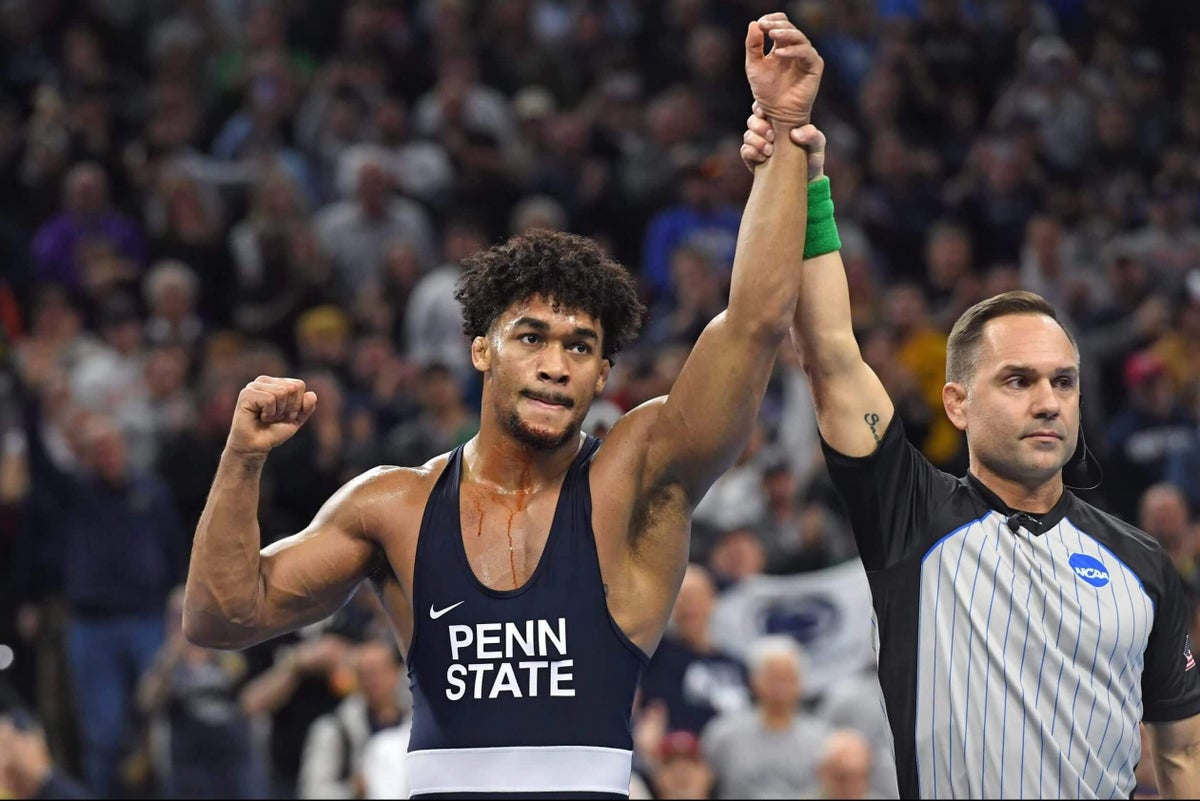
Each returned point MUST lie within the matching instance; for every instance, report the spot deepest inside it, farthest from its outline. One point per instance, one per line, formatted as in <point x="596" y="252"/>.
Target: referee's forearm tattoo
<point x="873" y="421"/>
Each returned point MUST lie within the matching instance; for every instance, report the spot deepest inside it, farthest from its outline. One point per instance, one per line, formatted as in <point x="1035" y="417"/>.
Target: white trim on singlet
<point x="520" y="769"/>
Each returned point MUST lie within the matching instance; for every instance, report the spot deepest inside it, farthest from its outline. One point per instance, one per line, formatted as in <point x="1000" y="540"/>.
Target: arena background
<point x="195" y="192"/>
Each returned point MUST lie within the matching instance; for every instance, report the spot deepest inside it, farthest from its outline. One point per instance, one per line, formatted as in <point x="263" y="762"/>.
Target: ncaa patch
<point x="1089" y="568"/>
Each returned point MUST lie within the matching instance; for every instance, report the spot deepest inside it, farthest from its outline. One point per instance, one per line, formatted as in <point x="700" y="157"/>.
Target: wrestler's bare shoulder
<point x="621" y="459"/>
<point x="390" y="499"/>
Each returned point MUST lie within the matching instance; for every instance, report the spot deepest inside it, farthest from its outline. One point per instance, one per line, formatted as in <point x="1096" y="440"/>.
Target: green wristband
<point x="821" y="234"/>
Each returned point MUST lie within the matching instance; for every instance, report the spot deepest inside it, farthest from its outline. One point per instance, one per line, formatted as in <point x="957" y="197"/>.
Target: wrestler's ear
<point x="602" y="379"/>
<point x="481" y="354"/>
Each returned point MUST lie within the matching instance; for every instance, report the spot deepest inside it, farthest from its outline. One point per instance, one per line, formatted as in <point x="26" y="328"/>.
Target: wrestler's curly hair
<point x="572" y="271"/>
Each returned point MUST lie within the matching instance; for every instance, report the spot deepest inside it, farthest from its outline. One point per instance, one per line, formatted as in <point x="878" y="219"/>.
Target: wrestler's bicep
<point x="311" y="574"/>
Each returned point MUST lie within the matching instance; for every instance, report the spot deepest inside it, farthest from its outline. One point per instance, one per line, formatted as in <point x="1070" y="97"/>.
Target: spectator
<point x="433" y="322"/>
<point x="355" y="231"/>
<point x="1179" y="348"/>
<point x="171" y="291"/>
<point x="255" y="130"/>
<point x="1048" y="93"/>
<point x="170" y="408"/>
<point x="855" y="703"/>
<point x="1131" y="316"/>
<point x="714" y="74"/>
<point x="185" y="221"/>
<point x="323" y="338"/>
<point x="691" y="676"/>
<point x="772" y="750"/>
<point x="1144" y="435"/>
<point x="798" y="439"/>
<point x="122" y="552"/>
<point x="421" y="167"/>
<point x="819" y="538"/>
<point x="443" y="423"/>
<point x="380" y="308"/>
<point x="90" y="245"/>
<point x="330" y="121"/>
<point x="114" y="381"/>
<point x="899" y="204"/>
<point x="737" y="499"/>
<point x="537" y="211"/>
<point x="780" y="527"/>
<point x="1049" y="266"/>
<point x="322" y="448"/>
<point x="1169" y="241"/>
<point x="879" y="352"/>
<point x="570" y="170"/>
<point x="845" y="767"/>
<point x="1163" y="514"/>
<point x="700" y="220"/>
<point x="655" y="160"/>
<point x="57" y="337"/>
<point x="381" y="383"/>
<point x="332" y="763"/>
<point x="188" y="457"/>
<point x="272" y="285"/>
<point x="459" y="98"/>
<point x="849" y="45"/>
<point x="921" y="349"/>
<point x="698" y="292"/>
<point x="736" y="554"/>
<point x="682" y="771"/>
<point x="42" y="164"/>
<point x="190" y="696"/>
<point x="26" y="770"/>
<point x="950" y="273"/>
<point x="1002" y="201"/>
<point x="305" y="681"/>
<point x="383" y="773"/>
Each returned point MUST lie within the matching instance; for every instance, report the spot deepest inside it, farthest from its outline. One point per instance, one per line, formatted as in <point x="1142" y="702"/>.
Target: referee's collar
<point x="1037" y="523"/>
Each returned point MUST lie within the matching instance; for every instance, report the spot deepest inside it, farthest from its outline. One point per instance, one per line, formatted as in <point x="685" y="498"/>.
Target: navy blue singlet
<point x="518" y="692"/>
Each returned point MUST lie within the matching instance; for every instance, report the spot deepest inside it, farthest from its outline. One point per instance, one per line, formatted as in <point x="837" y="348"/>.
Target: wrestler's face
<point x="542" y="367"/>
<point x="1020" y="409"/>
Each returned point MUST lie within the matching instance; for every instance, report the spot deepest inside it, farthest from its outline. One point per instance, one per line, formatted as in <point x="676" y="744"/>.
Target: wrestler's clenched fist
<point x="269" y="411"/>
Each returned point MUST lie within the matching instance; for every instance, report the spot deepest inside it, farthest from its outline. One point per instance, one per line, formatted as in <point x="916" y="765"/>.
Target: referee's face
<point x="1021" y="410"/>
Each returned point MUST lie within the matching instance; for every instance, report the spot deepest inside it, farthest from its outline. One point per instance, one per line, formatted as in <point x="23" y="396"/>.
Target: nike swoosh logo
<point x="435" y="614"/>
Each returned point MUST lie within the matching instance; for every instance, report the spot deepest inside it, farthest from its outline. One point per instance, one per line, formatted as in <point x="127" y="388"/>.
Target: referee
<point x="1023" y="634"/>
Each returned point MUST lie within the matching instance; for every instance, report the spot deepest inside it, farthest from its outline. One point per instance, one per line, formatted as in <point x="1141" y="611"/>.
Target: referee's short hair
<point x="962" y="348"/>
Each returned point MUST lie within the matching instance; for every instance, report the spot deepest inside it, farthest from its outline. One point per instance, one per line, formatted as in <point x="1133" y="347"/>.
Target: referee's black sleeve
<point x="889" y="496"/>
<point x="1171" y="678"/>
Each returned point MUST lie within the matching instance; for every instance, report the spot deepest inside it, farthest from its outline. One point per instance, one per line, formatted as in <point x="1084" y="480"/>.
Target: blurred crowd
<point x="197" y="192"/>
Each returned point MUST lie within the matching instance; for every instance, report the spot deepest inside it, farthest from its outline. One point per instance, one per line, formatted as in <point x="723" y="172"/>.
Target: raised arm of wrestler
<point x="660" y="459"/>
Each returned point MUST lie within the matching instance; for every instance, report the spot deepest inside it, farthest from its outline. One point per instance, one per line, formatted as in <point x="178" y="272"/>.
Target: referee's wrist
<point x="820" y="234"/>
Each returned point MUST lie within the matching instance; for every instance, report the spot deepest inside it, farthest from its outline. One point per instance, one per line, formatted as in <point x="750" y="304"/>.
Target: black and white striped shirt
<point x="1017" y="653"/>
